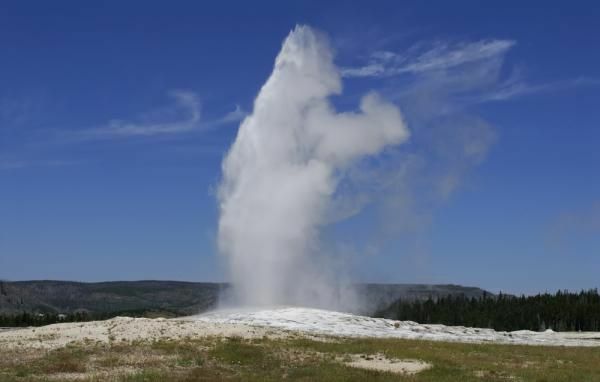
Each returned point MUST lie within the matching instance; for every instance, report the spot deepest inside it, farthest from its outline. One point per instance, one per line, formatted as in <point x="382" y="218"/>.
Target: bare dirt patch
<point x="380" y="362"/>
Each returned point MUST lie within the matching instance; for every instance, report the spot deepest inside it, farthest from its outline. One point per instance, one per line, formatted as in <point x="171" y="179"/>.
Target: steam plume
<point x="281" y="173"/>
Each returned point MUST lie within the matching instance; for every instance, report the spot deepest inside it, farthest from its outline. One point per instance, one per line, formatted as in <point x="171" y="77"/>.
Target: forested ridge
<point x="562" y="311"/>
<point x="39" y="302"/>
<point x="46" y="302"/>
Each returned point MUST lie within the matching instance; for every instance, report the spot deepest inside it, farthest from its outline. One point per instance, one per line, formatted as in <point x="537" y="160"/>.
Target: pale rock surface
<point x="275" y="323"/>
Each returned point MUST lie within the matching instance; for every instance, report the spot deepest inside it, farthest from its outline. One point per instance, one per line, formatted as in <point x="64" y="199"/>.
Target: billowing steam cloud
<point x="281" y="172"/>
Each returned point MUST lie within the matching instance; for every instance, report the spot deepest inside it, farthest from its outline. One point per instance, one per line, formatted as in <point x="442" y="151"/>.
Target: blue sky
<point x="115" y="116"/>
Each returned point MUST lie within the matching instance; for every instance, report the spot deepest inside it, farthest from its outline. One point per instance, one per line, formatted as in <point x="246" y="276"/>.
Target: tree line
<point x="25" y="319"/>
<point x="562" y="311"/>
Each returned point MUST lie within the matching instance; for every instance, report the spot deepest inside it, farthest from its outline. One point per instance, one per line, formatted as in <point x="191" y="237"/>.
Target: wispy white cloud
<point x="183" y="116"/>
<point x="439" y="57"/>
<point x="511" y="89"/>
<point x="233" y="116"/>
<point x="187" y="107"/>
<point x="471" y="70"/>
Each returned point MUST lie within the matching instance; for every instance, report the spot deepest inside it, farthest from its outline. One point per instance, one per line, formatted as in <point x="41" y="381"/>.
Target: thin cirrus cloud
<point x="183" y="116"/>
<point x="441" y="56"/>
<point x="510" y="89"/>
<point x="471" y="69"/>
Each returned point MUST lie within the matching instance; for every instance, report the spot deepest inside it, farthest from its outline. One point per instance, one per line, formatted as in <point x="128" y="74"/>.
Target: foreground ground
<point x="294" y="344"/>
<point x="273" y="359"/>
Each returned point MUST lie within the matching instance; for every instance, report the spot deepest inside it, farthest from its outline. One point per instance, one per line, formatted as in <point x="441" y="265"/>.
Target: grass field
<point x="295" y="359"/>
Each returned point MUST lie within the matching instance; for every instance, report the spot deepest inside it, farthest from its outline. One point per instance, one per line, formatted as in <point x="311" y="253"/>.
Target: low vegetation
<point x="26" y="319"/>
<point x="299" y="359"/>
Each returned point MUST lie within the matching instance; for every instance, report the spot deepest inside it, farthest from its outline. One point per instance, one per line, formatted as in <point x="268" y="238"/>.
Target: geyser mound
<point x="319" y="322"/>
<point x="282" y="171"/>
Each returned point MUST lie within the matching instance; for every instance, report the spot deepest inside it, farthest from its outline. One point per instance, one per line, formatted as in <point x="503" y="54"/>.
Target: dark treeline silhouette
<point x="563" y="311"/>
<point x="26" y="319"/>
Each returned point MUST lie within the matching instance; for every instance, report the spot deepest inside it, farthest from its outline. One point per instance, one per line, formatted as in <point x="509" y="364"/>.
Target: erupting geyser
<point x="281" y="173"/>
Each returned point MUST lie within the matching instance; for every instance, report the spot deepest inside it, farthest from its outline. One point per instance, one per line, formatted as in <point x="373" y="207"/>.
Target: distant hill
<point x="179" y="298"/>
<point x="175" y="297"/>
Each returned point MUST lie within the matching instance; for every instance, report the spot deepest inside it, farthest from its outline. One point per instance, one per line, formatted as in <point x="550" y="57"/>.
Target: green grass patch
<point x="239" y="352"/>
<point x="235" y="359"/>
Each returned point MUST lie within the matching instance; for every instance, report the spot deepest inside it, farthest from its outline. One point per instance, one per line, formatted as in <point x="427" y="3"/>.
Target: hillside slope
<point x="177" y="297"/>
<point x="180" y="298"/>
